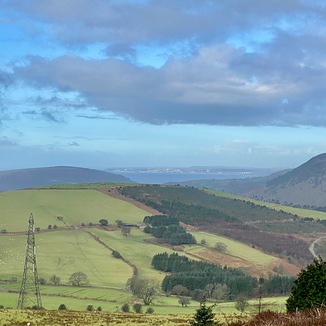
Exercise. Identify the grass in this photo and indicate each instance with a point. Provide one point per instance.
(234, 248)
(63, 253)
(167, 313)
(77, 206)
(292, 210)
(135, 249)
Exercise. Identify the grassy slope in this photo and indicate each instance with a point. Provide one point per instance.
(135, 249)
(63, 252)
(76, 206)
(293, 210)
(234, 248)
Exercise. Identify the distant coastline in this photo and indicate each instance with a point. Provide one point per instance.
(168, 175)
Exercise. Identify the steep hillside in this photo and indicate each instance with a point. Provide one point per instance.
(244, 187)
(27, 178)
(303, 186)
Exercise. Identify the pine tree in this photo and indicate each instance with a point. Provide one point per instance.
(309, 289)
(204, 316)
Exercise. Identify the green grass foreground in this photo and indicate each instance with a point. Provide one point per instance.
(166, 313)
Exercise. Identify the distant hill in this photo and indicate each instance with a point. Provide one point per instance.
(37, 177)
(303, 186)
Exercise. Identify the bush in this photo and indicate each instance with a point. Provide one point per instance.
(125, 308)
(116, 254)
(90, 308)
(309, 289)
(137, 308)
(99, 308)
(41, 281)
(149, 310)
(62, 307)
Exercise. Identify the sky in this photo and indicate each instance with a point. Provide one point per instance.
(162, 83)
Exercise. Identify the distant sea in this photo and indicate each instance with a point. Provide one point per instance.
(161, 177)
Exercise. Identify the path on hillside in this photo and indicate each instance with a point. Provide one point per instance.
(312, 246)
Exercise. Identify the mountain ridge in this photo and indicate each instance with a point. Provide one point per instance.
(303, 186)
(46, 176)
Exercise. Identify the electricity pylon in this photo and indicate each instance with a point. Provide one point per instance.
(29, 295)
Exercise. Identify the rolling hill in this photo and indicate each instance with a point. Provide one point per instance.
(37, 177)
(70, 239)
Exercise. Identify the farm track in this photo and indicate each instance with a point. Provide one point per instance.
(312, 246)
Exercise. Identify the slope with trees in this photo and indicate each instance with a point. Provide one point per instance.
(274, 231)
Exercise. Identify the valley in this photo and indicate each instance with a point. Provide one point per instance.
(69, 239)
(120, 233)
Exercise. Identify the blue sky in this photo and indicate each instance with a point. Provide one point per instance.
(162, 83)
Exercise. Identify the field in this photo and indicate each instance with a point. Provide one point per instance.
(76, 206)
(236, 254)
(78, 243)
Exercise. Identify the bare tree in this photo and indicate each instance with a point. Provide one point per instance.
(145, 289)
(55, 280)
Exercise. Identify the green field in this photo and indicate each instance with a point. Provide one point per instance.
(73, 247)
(135, 249)
(63, 253)
(234, 248)
(76, 206)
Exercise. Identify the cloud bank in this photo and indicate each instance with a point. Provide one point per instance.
(231, 62)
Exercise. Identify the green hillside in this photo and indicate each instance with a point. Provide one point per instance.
(76, 206)
(76, 242)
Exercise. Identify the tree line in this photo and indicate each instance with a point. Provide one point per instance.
(204, 279)
(168, 229)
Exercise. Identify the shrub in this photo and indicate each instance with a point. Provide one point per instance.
(41, 281)
(125, 307)
(99, 308)
(149, 310)
(137, 307)
(116, 254)
(90, 308)
(62, 307)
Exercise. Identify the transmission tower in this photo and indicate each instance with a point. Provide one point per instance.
(29, 295)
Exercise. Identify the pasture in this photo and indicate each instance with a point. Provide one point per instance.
(76, 206)
(63, 253)
(135, 249)
(234, 248)
(75, 246)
